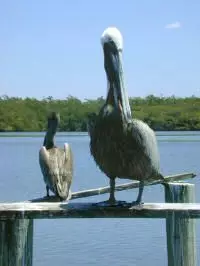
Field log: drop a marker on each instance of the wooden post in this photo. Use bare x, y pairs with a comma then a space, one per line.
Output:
16, 242
28, 256
181, 242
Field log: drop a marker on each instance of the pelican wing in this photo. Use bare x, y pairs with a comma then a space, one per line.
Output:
146, 138
57, 169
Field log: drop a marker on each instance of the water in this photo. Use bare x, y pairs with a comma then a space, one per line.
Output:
80, 242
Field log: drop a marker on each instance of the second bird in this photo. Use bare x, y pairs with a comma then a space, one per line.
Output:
56, 163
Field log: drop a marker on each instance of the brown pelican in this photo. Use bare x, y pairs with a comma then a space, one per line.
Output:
121, 146
56, 164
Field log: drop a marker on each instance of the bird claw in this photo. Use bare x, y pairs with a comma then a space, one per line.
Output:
120, 203
137, 204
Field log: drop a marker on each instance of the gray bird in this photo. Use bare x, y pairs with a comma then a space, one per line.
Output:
56, 163
121, 146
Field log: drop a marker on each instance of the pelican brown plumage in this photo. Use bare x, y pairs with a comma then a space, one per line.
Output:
56, 163
121, 146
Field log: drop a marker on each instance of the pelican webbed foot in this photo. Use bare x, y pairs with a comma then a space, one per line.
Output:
61, 199
110, 203
137, 203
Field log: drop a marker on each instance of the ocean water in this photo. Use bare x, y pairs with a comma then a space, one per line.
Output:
81, 242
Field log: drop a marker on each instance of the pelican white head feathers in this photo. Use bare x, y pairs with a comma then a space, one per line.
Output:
112, 34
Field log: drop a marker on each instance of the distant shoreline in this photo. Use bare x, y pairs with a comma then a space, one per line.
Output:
38, 134
160, 113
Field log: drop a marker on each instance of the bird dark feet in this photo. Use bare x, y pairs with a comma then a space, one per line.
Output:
137, 203
47, 196
47, 190
111, 203
61, 199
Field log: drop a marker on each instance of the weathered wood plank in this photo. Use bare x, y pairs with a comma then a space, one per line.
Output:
46, 210
13, 242
181, 242
126, 186
28, 256
130, 185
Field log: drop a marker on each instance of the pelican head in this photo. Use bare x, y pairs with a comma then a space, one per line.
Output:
112, 43
52, 125
53, 121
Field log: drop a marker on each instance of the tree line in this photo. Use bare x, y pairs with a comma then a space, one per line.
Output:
161, 113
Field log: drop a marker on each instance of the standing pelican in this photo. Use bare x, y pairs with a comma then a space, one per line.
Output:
56, 164
121, 146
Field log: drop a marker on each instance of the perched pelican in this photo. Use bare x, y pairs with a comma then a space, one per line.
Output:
56, 164
121, 146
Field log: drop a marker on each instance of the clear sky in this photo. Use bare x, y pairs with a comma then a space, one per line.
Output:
52, 48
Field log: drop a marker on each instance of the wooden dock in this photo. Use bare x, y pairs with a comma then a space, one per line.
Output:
179, 210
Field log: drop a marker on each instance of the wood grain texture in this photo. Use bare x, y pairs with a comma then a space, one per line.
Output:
181, 234
13, 242
45, 210
28, 252
16, 219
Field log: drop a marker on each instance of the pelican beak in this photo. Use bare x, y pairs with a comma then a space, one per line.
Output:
114, 71
53, 121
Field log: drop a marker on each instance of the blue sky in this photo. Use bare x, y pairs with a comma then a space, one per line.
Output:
52, 48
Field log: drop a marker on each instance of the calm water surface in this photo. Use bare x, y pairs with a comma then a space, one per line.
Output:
79, 242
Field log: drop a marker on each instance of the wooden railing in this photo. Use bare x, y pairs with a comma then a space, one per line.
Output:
179, 210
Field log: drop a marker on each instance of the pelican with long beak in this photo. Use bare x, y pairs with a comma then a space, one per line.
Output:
121, 146
56, 164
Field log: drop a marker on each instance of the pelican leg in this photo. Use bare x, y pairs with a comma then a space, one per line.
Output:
47, 189
139, 197
111, 201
